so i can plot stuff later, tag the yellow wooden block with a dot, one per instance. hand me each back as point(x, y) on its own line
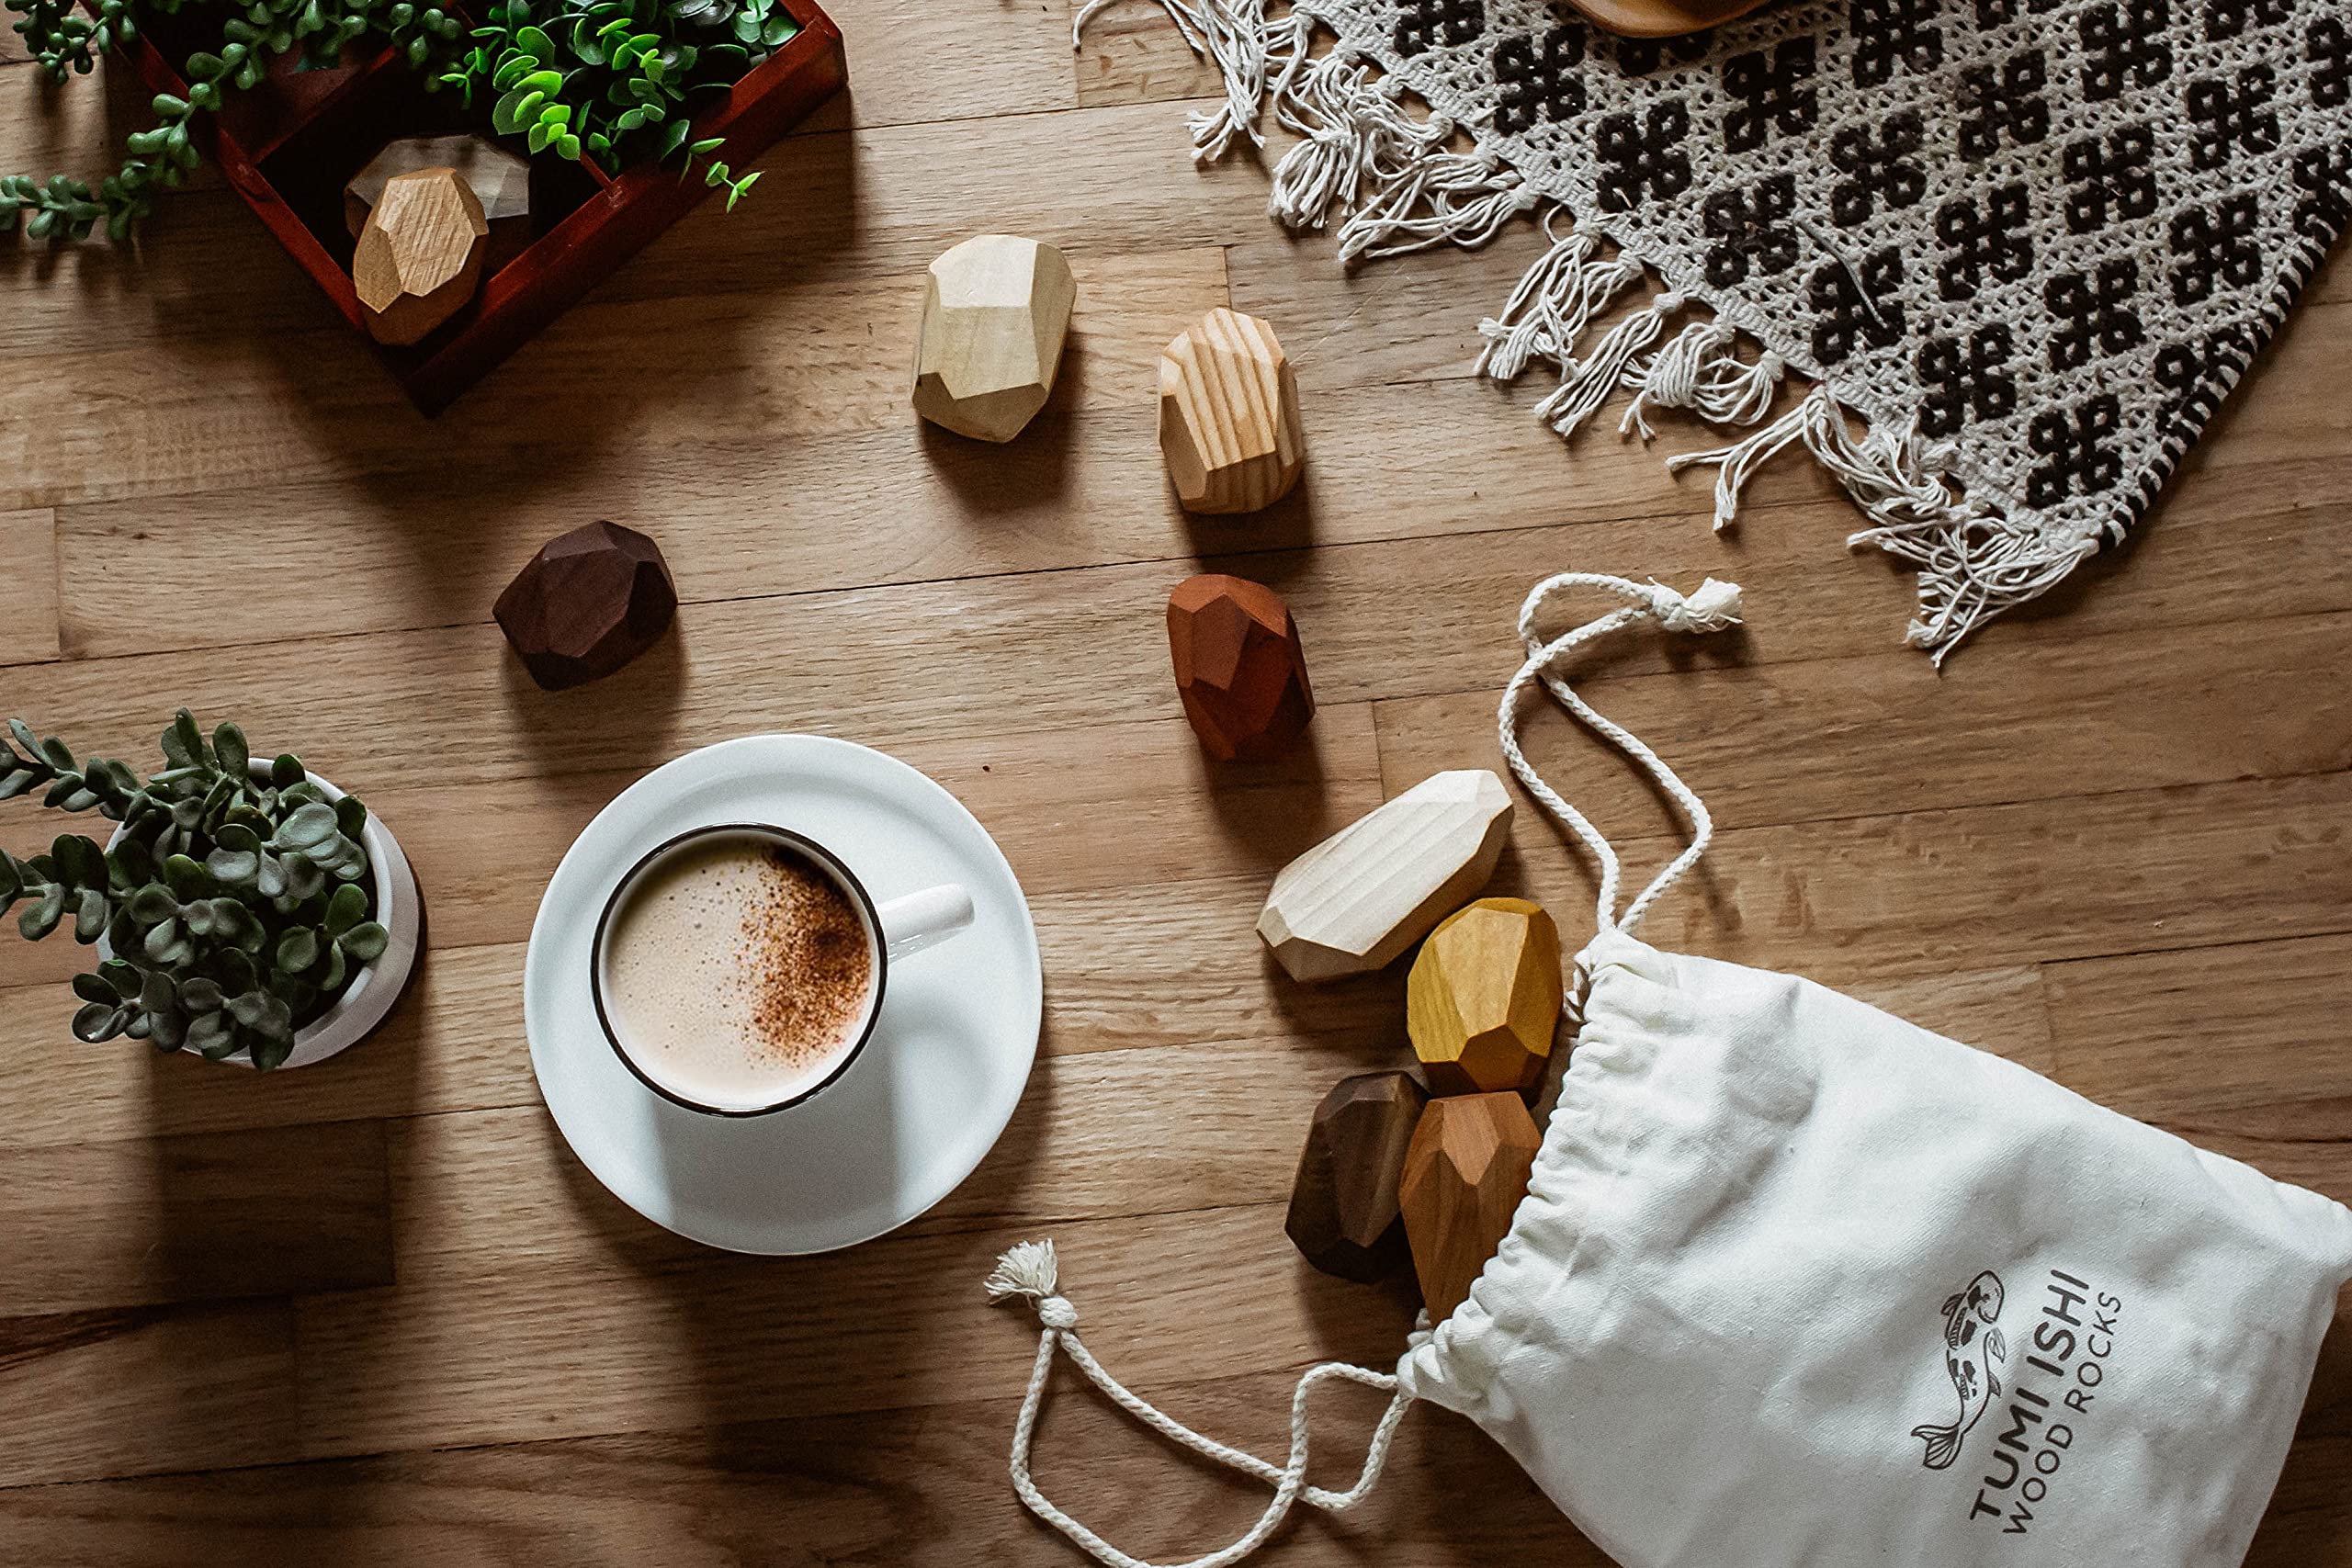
point(1485, 997)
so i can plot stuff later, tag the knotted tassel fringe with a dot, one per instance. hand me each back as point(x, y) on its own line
point(1404, 187)
point(1235, 36)
point(1554, 302)
point(1592, 380)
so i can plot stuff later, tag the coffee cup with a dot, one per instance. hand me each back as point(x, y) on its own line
point(740, 968)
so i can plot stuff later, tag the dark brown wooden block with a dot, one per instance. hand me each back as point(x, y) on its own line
point(588, 603)
point(1465, 1175)
point(1240, 668)
point(1344, 1214)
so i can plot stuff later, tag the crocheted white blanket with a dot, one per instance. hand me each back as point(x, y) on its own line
point(2021, 248)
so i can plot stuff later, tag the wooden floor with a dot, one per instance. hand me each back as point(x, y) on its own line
point(374, 1312)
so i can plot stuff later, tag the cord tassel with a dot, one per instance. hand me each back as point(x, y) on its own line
point(1030, 1271)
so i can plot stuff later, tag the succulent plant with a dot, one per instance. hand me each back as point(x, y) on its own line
point(609, 79)
point(236, 904)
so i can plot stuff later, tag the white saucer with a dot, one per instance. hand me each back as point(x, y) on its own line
point(920, 1106)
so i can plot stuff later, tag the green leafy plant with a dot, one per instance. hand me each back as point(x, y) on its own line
point(613, 80)
point(607, 79)
point(236, 904)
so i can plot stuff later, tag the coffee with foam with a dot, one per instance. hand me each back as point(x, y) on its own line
point(738, 972)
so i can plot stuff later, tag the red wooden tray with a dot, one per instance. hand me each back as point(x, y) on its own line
point(289, 146)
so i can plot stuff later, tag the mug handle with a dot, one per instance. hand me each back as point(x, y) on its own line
point(924, 919)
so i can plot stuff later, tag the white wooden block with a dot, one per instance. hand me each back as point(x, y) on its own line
point(1365, 895)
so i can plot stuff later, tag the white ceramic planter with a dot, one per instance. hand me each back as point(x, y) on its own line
point(368, 999)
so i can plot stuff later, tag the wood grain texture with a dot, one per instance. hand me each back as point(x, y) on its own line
point(28, 631)
point(376, 1313)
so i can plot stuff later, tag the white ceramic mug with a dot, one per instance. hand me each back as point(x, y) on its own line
point(898, 928)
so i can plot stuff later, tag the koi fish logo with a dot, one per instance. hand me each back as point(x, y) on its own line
point(1974, 1351)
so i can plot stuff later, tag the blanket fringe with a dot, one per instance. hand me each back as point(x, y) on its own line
point(1402, 186)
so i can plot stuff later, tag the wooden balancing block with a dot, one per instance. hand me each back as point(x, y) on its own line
point(1361, 897)
point(1239, 669)
point(1228, 415)
point(995, 316)
point(420, 255)
point(587, 604)
point(1485, 997)
point(1465, 1173)
point(500, 181)
point(1344, 1214)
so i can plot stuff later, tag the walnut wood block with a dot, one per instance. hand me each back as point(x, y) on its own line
point(587, 604)
point(1228, 415)
point(420, 255)
point(995, 314)
point(1465, 1175)
point(1240, 668)
point(1483, 998)
point(1360, 897)
point(1344, 1215)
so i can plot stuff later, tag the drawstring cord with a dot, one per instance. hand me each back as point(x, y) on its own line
point(1029, 1272)
point(1713, 608)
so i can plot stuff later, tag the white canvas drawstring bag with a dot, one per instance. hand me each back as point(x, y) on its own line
point(1797, 1284)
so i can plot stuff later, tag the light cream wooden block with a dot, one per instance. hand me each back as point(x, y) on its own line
point(500, 180)
point(1365, 895)
point(1228, 415)
point(995, 315)
point(419, 259)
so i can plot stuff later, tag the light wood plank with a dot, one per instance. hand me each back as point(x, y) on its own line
point(1140, 804)
point(2195, 1043)
point(194, 1217)
point(713, 1338)
point(1131, 54)
point(1857, 899)
point(2015, 720)
point(128, 1392)
point(28, 587)
point(920, 1488)
point(455, 1043)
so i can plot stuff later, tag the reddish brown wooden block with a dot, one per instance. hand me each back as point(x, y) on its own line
point(1240, 668)
point(588, 603)
point(1465, 1174)
point(1485, 998)
point(420, 253)
point(1344, 1214)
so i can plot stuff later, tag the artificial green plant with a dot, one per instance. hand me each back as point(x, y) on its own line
point(610, 79)
point(235, 904)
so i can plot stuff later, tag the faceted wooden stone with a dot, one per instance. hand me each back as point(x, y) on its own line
point(1365, 895)
point(1465, 1173)
point(1228, 415)
point(1344, 1214)
point(995, 315)
point(1240, 668)
point(420, 255)
point(500, 179)
point(1485, 998)
point(588, 603)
